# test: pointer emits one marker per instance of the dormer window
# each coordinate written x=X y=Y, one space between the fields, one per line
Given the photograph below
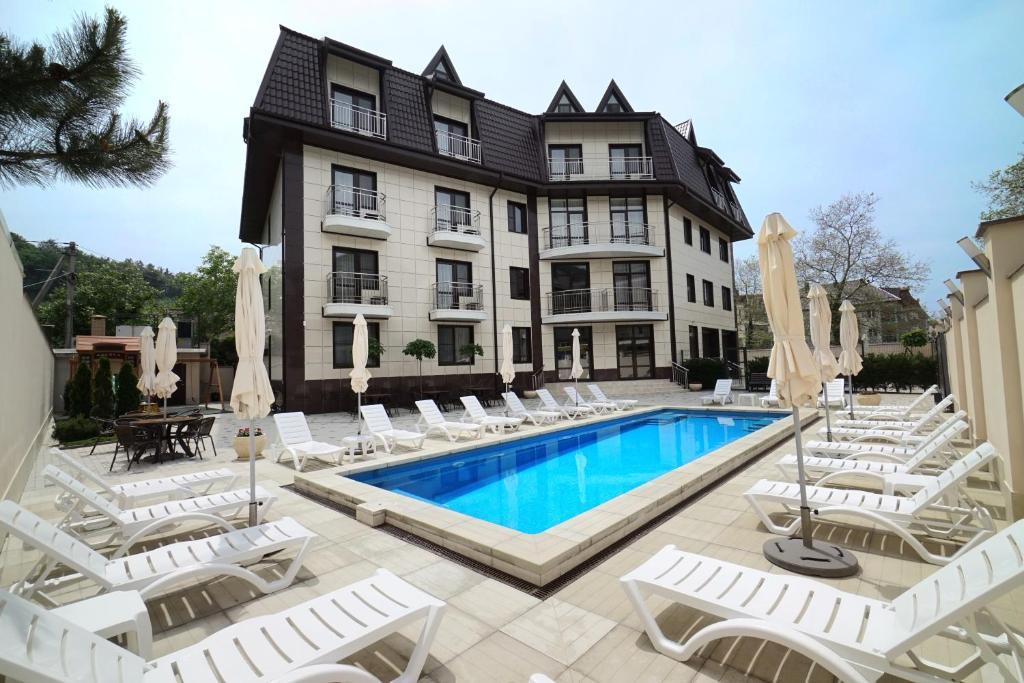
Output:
x=613 y=101
x=613 y=106
x=564 y=106
x=564 y=102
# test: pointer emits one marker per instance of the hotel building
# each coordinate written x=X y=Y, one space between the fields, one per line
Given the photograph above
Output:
x=442 y=215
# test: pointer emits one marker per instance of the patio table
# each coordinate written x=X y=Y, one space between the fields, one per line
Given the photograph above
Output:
x=165 y=425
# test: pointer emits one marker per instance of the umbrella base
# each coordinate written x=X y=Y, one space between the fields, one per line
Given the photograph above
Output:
x=821 y=559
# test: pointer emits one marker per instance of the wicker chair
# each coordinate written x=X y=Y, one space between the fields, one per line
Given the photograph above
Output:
x=135 y=441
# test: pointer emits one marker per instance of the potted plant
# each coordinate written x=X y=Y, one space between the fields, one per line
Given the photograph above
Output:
x=241 y=444
x=868 y=397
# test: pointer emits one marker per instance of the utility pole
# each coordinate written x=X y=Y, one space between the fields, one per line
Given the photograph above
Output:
x=69 y=300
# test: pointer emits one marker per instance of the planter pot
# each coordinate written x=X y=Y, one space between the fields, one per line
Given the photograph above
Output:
x=869 y=399
x=241 y=446
x=529 y=393
x=696 y=386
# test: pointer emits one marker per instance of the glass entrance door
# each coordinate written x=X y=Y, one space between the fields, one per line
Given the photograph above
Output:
x=563 y=352
x=634 y=345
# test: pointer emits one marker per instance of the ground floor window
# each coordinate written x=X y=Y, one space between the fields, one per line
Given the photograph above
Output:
x=563 y=352
x=634 y=345
x=694 y=342
x=451 y=338
x=522 y=349
x=710 y=342
x=343 y=344
x=730 y=346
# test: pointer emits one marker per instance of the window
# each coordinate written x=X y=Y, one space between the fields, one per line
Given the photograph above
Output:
x=613 y=105
x=455 y=286
x=723 y=250
x=631 y=282
x=451 y=338
x=356 y=279
x=451 y=137
x=628 y=224
x=709 y=293
x=694 y=342
x=710 y=339
x=634 y=350
x=688 y=231
x=625 y=161
x=691 y=289
x=519 y=282
x=343 y=344
x=565 y=160
x=563 y=352
x=184 y=329
x=522 y=347
x=517 y=217
x=353 y=193
x=570 y=288
x=452 y=211
x=565 y=105
x=726 y=298
x=445 y=127
x=568 y=219
x=352 y=109
x=705 y=240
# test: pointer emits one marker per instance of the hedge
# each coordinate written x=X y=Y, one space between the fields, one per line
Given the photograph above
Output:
x=896 y=372
x=705 y=371
x=75 y=429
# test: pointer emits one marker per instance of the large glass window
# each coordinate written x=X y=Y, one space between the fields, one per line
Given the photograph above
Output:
x=628 y=225
x=519 y=282
x=691 y=289
x=454 y=284
x=631 y=281
x=635 y=351
x=710 y=342
x=451 y=137
x=343 y=344
x=570 y=288
x=694 y=342
x=568 y=218
x=522 y=345
x=517 y=217
x=726 y=298
x=356 y=279
x=624 y=161
x=352 y=109
x=353 y=193
x=452 y=209
x=709 y=293
x=451 y=338
x=563 y=352
x=565 y=160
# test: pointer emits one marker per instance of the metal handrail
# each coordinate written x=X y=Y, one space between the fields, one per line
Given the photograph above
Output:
x=680 y=374
x=599 y=232
x=602 y=300
x=719 y=199
x=368 y=289
x=458 y=146
x=596 y=167
x=448 y=218
x=448 y=296
x=345 y=200
x=359 y=119
x=537 y=379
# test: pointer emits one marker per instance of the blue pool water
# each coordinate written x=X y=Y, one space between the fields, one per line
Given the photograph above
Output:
x=534 y=483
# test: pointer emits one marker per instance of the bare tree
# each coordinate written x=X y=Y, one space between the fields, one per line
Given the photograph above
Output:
x=847 y=253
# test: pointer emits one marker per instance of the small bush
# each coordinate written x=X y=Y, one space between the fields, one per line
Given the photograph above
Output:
x=896 y=372
x=758 y=364
x=705 y=371
x=128 y=395
x=66 y=397
x=75 y=429
x=80 y=396
x=223 y=351
x=103 y=391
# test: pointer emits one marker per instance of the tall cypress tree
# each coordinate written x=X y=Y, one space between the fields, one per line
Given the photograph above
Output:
x=103 y=391
x=80 y=396
x=127 y=392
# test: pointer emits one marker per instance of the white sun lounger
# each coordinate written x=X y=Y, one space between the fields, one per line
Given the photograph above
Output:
x=297 y=441
x=772 y=399
x=836 y=397
x=91 y=511
x=496 y=423
x=905 y=412
x=573 y=399
x=41 y=646
x=908 y=432
x=721 y=395
x=433 y=420
x=134 y=493
x=842 y=449
x=939 y=509
x=568 y=411
x=379 y=425
x=537 y=417
x=155 y=571
x=619 y=403
x=855 y=638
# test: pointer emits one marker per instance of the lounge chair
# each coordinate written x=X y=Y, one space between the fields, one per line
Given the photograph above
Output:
x=90 y=511
x=536 y=417
x=475 y=412
x=573 y=399
x=570 y=412
x=940 y=509
x=836 y=397
x=38 y=645
x=919 y=405
x=297 y=442
x=772 y=399
x=856 y=638
x=155 y=571
x=379 y=425
x=843 y=449
x=619 y=403
x=433 y=420
x=722 y=393
x=136 y=492
x=901 y=432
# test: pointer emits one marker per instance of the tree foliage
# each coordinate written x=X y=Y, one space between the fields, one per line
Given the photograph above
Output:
x=59 y=115
x=103 y=401
x=914 y=339
x=420 y=349
x=208 y=295
x=127 y=396
x=1004 y=189
x=80 y=396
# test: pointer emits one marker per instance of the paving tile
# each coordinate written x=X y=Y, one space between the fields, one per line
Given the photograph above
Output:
x=559 y=629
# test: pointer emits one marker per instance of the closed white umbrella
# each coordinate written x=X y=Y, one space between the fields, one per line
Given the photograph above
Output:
x=577 y=367
x=251 y=393
x=821 y=337
x=797 y=379
x=166 y=356
x=507 y=370
x=147 y=363
x=849 y=336
x=360 y=376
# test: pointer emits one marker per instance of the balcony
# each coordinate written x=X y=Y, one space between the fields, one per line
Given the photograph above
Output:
x=458 y=146
x=349 y=294
x=726 y=205
x=356 y=212
x=599 y=240
x=614 y=304
x=345 y=116
x=600 y=168
x=461 y=302
x=455 y=227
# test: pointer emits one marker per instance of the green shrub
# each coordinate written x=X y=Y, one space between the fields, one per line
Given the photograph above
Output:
x=75 y=429
x=103 y=391
x=128 y=396
x=66 y=397
x=80 y=395
x=223 y=351
x=896 y=372
x=705 y=371
x=758 y=364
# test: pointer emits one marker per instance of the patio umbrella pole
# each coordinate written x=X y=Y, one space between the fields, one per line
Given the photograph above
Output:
x=828 y=417
x=849 y=383
x=253 y=504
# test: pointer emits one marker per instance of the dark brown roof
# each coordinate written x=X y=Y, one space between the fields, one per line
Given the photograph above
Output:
x=293 y=85
x=410 y=123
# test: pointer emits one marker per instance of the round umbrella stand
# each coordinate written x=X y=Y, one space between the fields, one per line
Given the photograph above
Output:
x=816 y=558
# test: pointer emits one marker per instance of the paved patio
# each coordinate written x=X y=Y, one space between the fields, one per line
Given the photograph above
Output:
x=491 y=632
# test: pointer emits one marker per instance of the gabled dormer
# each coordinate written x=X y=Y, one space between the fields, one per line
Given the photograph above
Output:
x=564 y=102
x=686 y=130
x=613 y=101
x=441 y=68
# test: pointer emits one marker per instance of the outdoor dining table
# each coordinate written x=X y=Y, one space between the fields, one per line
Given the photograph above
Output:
x=166 y=425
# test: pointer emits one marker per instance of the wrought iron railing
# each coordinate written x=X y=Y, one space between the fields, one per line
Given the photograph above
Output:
x=369 y=289
x=680 y=375
x=450 y=296
x=348 y=116
x=591 y=233
x=344 y=200
x=458 y=146
x=537 y=379
x=448 y=218
x=600 y=168
x=602 y=300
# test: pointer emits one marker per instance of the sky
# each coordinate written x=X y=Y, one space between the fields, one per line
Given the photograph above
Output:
x=805 y=101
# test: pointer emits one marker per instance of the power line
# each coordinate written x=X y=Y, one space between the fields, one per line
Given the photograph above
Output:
x=49 y=279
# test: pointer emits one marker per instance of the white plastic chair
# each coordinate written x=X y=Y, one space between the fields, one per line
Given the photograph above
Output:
x=619 y=403
x=537 y=417
x=431 y=421
x=772 y=399
x=297 y=441
x=836 y=397
x=916 y=407
x=855 y=638
x=568 y=412
x=574 y=399
x=496 y=423
x=379 y=425
x=900 y=432
x=843 y=449
x=721 y=395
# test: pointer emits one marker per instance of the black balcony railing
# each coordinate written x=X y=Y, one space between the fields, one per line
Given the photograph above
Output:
x=448 y=296
x=367 y=289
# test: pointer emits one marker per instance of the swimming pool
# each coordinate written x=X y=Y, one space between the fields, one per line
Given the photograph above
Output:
x=534 y=483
